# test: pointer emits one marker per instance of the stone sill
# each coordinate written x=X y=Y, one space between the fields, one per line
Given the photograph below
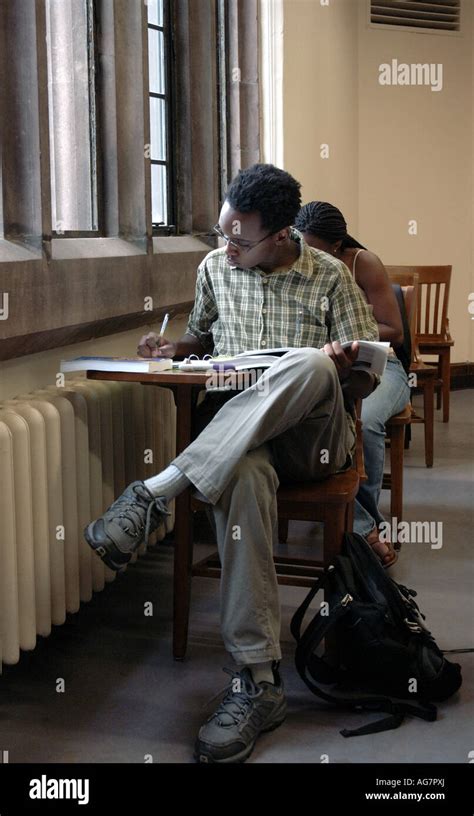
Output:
x=67 y=249
x=166 y=245
x=11 y=252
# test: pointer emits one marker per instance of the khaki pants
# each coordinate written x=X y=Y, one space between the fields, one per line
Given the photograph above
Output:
x=290 y=426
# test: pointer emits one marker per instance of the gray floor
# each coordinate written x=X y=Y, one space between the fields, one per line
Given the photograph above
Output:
x=126 y=698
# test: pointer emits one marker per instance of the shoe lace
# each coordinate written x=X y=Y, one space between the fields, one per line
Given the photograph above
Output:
x=236 y=703
x=130 y=518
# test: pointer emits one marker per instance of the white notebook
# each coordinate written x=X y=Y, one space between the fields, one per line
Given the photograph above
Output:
x=138 y=364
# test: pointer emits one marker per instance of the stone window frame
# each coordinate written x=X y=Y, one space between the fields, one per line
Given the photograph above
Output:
x=64 y=290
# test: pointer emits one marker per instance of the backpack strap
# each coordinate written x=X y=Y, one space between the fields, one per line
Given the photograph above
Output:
x=297 y=619
x=399 y=710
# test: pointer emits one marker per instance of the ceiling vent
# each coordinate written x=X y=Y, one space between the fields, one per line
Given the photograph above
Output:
x=440 y=15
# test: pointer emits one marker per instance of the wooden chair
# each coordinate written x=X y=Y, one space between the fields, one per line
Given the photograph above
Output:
x=432 y=323
x=424 y=376
x=330 y=501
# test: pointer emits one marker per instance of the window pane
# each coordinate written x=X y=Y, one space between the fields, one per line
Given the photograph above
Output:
x=159 y=199
x=156 y=61
x=155 y=12
x=71 y=114
x=158 y=129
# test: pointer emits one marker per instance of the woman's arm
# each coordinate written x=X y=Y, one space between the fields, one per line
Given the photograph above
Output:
x=372 y=277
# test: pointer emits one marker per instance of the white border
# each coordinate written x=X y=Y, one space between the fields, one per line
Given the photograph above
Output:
x=271 y=86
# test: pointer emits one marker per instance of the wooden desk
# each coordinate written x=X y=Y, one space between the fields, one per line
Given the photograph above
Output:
x=184 y=386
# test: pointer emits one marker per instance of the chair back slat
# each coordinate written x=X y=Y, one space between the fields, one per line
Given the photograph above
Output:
x=427 y=309
x=436 y=314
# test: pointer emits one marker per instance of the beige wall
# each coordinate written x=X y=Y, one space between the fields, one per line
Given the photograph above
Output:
x=39 y=370
x=396 y=153
x=320 y=88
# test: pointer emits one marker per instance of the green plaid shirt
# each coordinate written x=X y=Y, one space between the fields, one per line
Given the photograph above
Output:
x=314 y=302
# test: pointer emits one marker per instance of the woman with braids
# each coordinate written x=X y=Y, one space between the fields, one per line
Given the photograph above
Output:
x=324 y=228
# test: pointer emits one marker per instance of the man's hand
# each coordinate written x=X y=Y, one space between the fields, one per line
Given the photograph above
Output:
x=343 y=359
x=152 y=345
x=356 y=384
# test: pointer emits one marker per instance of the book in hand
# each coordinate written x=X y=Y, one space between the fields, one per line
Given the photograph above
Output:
x=372 y=357
x=137 y=364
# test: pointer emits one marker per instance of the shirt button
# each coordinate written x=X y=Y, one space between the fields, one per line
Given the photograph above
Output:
x=264 y=342
x=264 y=311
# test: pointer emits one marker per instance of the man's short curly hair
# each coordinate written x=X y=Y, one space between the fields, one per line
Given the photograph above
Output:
x=266 y=189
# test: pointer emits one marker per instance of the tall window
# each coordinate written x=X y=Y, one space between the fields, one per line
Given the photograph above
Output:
x=160 y=119
x=72 y=115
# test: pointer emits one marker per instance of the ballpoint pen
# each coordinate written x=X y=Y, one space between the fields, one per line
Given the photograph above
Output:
x=164 y=325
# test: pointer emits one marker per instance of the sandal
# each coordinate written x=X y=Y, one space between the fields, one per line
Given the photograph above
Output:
x=384 y=550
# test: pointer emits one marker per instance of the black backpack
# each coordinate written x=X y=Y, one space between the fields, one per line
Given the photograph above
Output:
x=382 y=657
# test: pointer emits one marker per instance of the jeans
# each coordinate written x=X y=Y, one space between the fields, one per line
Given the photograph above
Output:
x=388 y=399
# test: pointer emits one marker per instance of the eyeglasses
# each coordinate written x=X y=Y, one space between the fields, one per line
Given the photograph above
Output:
x=245 y=245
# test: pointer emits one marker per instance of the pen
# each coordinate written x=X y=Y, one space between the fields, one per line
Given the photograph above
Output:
x=299 y=321
x=164 y=324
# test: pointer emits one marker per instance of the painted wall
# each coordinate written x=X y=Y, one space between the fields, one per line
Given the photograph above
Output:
x=320 y=87
x=35 y=371
x=396 y=153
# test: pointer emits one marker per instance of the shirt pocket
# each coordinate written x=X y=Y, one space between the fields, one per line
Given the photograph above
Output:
x=308 y=330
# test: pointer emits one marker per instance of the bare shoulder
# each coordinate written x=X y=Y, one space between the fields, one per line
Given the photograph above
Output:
x=367 y=258
x=369 y=266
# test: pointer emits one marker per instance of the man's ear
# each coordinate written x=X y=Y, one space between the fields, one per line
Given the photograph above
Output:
x=282 y=235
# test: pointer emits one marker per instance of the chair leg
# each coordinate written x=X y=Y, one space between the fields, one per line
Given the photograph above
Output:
x=183 y=553
x=396 y=471
x=335 y=522
x=407 y=437
x=439 y=388
x=283 y=530
x=428 y=405
x=445 y=361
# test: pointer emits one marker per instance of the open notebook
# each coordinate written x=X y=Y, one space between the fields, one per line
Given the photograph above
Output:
x=372 y=357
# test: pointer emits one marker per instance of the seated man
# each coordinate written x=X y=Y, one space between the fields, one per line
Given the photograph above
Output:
x=265 y=288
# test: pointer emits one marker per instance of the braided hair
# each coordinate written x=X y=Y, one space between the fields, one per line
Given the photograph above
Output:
x=327 y=222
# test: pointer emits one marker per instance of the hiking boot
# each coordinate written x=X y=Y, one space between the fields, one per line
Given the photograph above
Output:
x=247 y=710
x=127 y=523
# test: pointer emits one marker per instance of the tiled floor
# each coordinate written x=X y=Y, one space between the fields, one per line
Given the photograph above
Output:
x=126 y=698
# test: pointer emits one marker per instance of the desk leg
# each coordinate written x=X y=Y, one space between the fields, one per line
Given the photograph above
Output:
x=182 y=532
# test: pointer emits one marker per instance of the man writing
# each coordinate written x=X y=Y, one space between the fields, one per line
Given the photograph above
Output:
x=265 y=288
